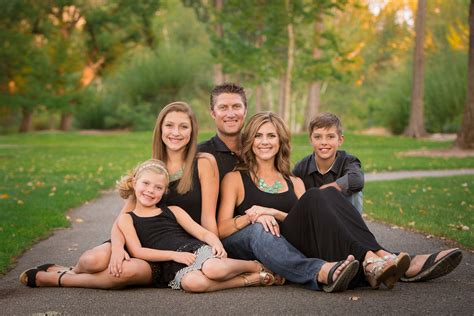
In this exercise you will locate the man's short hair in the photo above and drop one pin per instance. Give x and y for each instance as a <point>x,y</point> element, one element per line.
<point>325,120</point>
<point>228,87</point>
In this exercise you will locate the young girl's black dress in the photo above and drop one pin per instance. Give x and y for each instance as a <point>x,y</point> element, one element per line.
<point>164,233</point>
<point>321,224</point>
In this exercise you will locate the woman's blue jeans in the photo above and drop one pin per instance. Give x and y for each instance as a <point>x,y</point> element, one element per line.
<point>275,253</point>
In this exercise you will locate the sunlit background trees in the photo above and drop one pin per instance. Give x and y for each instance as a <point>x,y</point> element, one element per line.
<point>107,64</point>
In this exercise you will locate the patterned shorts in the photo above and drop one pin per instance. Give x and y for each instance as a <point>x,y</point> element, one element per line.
<point>202,255</point>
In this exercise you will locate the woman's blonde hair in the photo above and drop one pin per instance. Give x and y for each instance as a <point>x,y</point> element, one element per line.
<point>282,159</point>
<point>159,148</point>
<point>125,184</point>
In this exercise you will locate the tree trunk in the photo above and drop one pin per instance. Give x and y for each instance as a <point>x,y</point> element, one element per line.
<point>289,65</point>
<point>66,121</point>
<point>314,101</point>
<point>465,139</point>
<point>314,90</point>
<point>258,98</point>
<point>218,71</point>
<point>282,98</point>
<point>270,97</point>
<point>26,119</point>
<point>416,125</point>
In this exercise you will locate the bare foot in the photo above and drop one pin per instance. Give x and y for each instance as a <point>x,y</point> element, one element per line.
<point>60,268</point>
<point>418,261</point>
<point>49,278</point>
<point>324,272</point>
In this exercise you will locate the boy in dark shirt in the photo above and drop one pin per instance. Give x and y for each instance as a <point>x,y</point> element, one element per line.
<point>327,166</point>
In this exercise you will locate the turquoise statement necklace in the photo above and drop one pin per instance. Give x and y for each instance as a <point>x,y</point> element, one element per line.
<point>262,185</point>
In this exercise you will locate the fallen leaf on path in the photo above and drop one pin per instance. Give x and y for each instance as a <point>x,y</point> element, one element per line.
<point>79,220</point>
<point>354,298</point>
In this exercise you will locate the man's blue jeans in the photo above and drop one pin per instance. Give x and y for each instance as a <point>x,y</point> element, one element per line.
<point>276,253</point>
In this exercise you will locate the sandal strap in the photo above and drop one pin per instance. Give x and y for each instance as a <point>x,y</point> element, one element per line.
<point>45,267</point>
<point>60,277</point>
<point>31,274</point>
<point>430,261</point>
<point>391,256</point>
<point>378,264</point>
<point>330,279</point>
<point>372,260</point>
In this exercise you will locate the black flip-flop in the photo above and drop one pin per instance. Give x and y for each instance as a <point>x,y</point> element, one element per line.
<point>344,278</point>
<point>432,270</point>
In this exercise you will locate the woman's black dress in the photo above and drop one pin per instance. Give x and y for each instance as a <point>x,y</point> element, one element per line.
<point>321,224</point>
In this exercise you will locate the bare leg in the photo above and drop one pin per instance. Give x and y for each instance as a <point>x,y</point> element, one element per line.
<point>226,268</point>
<point>135,272</point>
<point>94,260</point>
<point>197,282</point>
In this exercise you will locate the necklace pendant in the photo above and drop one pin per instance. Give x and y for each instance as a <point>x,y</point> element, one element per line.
<point>263,186</point>
<point>177,175</point>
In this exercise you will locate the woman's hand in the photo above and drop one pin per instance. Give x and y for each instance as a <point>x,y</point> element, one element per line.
<point>256,211</point>
<point>186,258</point>
<point>269,224</point>
<point>117,257</point>
<point>219,251</point>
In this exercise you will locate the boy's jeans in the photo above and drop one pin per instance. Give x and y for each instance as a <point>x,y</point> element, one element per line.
<point>275,253</point>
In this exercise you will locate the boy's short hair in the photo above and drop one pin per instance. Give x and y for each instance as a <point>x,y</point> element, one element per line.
<point>325,120</point>
<point>228,87</point>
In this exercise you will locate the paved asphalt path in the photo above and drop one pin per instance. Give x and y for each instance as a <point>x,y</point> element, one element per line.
<point>452,294</point>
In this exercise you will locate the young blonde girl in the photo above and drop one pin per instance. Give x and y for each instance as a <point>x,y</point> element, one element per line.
<point>193,258</point>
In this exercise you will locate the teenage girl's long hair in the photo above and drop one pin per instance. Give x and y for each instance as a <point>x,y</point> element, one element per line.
<point>190,153</point>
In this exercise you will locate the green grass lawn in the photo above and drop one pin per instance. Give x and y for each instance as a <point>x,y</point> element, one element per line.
<point>438,206</point>
<point>380,153</point>
<point>46,174</point>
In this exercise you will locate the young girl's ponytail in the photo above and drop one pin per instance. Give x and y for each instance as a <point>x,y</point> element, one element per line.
<point>125,184</point>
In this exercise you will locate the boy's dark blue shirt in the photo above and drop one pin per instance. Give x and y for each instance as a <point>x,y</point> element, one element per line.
<point>346,172</point>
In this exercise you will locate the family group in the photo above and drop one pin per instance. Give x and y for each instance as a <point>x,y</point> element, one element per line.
<point>231,212</point>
